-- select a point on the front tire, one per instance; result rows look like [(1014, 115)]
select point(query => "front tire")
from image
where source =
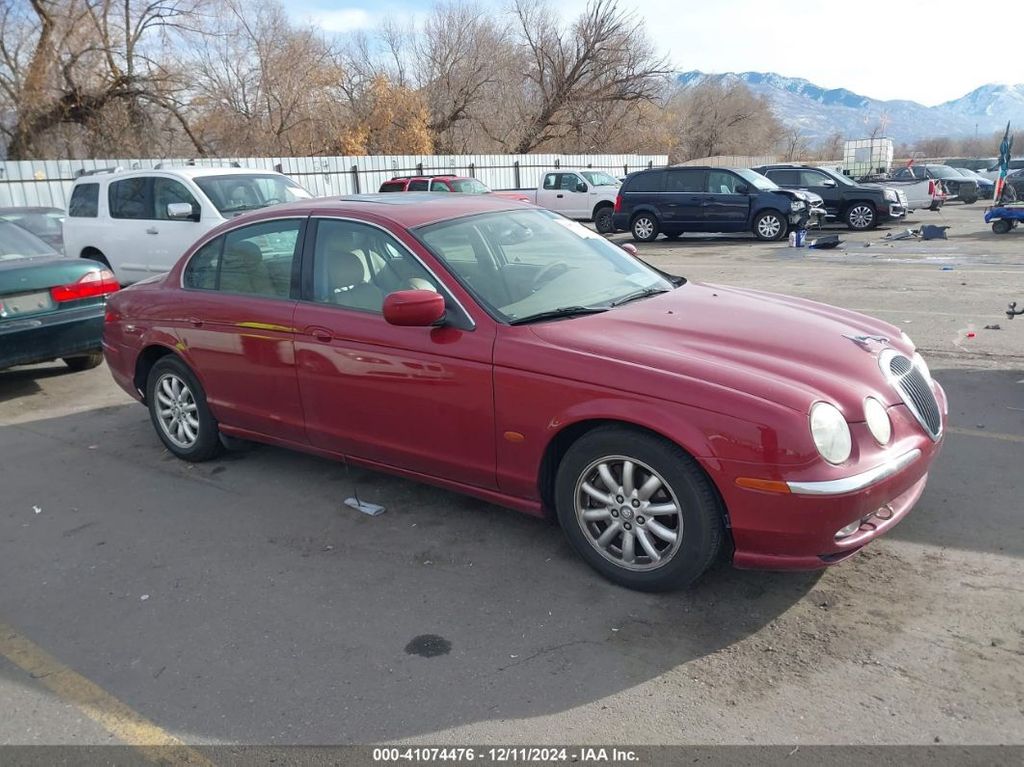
[(1002, 226), (861, 216), (638, 509), (603, 220), (178, 410), (644, 227), (770, 226), (84, 362)]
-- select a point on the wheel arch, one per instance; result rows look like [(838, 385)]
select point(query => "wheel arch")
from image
[(569, 434), (599, 206), (147, 358), (644, 208)]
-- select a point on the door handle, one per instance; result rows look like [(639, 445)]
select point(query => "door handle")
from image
[(152, 230), (321, 334), (195, 322), (558, 196)]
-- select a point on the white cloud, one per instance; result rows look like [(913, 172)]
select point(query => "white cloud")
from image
[(340, 21)]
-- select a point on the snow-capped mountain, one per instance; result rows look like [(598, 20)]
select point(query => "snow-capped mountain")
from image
[(820, 112)]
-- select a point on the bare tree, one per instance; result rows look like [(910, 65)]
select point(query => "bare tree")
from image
[(794, 144), (90, 56), (604, 57)]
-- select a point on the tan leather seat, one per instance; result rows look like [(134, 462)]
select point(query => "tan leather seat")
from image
[(346, 281), (243, 270)]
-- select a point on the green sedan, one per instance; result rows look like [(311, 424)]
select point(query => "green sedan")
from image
[(51, 307)]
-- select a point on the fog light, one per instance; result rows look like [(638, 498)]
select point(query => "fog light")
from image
[(850, 529)]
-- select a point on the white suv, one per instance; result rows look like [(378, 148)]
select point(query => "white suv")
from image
[(140, 222)]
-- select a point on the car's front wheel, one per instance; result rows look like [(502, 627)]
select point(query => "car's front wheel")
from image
[(770, 226), (638, 509), (178, 409), (1002, 226), (603, 220), (645, 228), (861, 216)]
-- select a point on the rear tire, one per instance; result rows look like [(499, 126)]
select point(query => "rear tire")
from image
[(94, 255), (644, 227), (178, 410), (603, 220), (665, 504), (1002, 226), (84, 362)]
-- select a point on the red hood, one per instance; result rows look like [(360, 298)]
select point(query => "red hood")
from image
[(781, 349)]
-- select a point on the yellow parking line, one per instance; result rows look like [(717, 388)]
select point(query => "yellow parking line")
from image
[(96, 703), (989, 434)]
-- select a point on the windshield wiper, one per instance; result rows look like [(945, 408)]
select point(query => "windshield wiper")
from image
[(563, 311), (638, 294)]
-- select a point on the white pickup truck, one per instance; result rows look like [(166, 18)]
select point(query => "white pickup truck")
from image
[(585, 195)]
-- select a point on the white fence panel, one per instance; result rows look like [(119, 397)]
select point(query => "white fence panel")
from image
[(48, 182)]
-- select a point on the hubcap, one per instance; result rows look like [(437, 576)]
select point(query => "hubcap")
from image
[(861, 217), (628, 513), (644, 228), (769, 226), (176, 410)]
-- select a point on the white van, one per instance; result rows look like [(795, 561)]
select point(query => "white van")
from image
[(140, 222)]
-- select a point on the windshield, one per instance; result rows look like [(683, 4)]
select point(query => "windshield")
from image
[(839, 178), (598, 178), (469, 186), (15, 242), (520, 264), (943, 171), (237, 192), (756, 180)]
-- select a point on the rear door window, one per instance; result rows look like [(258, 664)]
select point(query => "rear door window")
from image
[(258, 260), (784, 177), (131, 198), (419, 185), (85, 201), (393, 186), (650, 181)]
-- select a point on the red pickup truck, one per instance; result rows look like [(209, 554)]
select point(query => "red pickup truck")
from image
[(447, 183)]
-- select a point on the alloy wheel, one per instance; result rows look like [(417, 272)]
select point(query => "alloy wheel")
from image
[(643, 227), (769, 227), (176, 409), (628, 513), (861, 217)]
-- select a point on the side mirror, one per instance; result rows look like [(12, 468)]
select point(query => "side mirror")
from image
[(742, 189), (582, 187), (629, 248), (414, 308), (181, 211), (828, 182)]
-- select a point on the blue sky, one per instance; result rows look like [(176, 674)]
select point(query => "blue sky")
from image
[(829, 43)]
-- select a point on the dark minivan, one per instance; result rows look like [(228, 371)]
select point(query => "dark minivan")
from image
[(674, 200)]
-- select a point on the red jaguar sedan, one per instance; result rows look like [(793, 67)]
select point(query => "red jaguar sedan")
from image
[(503, 351)]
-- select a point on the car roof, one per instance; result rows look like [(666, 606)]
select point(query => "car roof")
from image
[(187, 171), (407, 210)]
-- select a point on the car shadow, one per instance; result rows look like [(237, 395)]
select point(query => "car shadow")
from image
[(241, 599), (22, 381)]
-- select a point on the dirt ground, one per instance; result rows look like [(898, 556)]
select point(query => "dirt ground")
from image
[(240, 602)]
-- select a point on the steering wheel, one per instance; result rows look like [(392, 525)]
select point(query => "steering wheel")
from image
[(549, 272)]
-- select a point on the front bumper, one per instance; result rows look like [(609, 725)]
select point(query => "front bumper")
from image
[(64, 333), (895, 212), (796, 529)]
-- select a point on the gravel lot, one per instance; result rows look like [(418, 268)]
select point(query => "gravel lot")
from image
[(240, 602)]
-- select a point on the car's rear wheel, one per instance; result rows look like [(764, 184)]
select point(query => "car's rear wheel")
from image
[(970, 198), (638, 509), (770, 226), (178, 409), (94, 255), (1002, 226), (861, 216), (603, 220), (84, 361), (644, 228)]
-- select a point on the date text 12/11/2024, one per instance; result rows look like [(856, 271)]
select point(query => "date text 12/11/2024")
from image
[(502, 754)]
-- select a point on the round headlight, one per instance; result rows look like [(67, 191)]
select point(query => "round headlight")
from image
[(921, 365), (830, 432), (878, 421)]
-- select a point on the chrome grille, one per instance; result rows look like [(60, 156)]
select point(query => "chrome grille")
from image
[(914, 389)]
